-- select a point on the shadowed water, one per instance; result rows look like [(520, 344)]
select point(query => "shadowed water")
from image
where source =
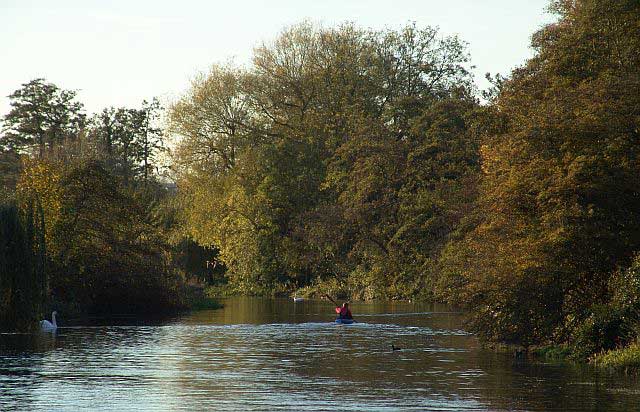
[(262, 354)]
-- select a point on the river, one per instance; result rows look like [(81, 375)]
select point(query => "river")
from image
[(266, 354)]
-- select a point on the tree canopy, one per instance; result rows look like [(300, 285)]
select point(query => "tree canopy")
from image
[(42, 116), (310, 163), (559, 200)]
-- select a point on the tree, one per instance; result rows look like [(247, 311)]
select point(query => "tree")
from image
[(130, 140), (105, 252), (149, 137), (294, 168), (23, 282), (9, 171), (559, 198), (42, 116)]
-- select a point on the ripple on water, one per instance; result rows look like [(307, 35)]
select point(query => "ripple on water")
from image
[(208, 362)]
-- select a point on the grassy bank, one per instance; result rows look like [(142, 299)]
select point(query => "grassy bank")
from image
[(625, 360), (552, 352)]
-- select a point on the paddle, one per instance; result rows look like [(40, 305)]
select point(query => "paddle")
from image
[(331, 299), (349, 320)]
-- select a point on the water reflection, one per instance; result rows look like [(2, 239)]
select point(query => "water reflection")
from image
[(262, 354)]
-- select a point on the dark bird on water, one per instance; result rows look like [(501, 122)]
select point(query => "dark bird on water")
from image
[(394, 347)]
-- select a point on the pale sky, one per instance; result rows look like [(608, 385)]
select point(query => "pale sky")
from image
[(119, 52)]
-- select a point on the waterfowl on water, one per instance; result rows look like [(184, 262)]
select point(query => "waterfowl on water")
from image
[(45, 325)]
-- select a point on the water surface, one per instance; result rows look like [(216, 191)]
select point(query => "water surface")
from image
[(263, 354)]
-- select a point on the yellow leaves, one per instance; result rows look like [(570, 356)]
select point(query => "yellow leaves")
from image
[(489, 157), (40, 183)]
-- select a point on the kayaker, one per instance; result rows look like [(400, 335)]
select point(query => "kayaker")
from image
[(344, 312)]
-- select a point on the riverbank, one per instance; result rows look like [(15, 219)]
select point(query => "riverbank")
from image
[(191, 297), (624, 360), (200, 298)]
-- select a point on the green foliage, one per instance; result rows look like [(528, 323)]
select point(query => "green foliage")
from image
[(107, 244), (605, 329), (220, 291), (515, 311), (42, 116), (340, 152), (108, 255), (615, 324), (553, 352), (559, 205), (23, 279), (129, 140), (624, 286), (624, 359), (9, 171), (106, 235)]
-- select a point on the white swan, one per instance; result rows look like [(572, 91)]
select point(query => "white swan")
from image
[(297, 299), (49, 326)]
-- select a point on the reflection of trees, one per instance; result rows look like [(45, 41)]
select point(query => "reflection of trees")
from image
[(32, 343), (21, 358), (253, 354), (510, 384)]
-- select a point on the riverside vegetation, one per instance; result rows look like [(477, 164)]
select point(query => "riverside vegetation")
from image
[(363, 163)]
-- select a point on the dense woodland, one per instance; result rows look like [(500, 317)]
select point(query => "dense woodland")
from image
[(83, 196), (357, 162)]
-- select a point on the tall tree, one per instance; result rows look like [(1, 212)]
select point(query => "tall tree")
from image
[(560, 194), (150, 138), (105, 252), (23, 283), (130, 140), (42, 115), (9, 172), (314, 138)]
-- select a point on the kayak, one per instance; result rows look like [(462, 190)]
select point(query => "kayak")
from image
[(345, 321)]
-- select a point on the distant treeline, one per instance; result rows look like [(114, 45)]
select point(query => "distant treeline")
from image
[(366, 163)]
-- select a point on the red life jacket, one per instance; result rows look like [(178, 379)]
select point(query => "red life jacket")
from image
[(344, 313)]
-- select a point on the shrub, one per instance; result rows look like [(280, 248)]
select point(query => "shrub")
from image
[(608, 327), (625, 359)]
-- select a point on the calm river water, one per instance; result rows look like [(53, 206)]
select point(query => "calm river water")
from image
[(264, 354)]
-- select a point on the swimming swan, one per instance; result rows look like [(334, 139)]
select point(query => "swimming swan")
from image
[(49, 326)]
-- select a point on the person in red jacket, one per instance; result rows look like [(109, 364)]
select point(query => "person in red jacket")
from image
[(344, 312)]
